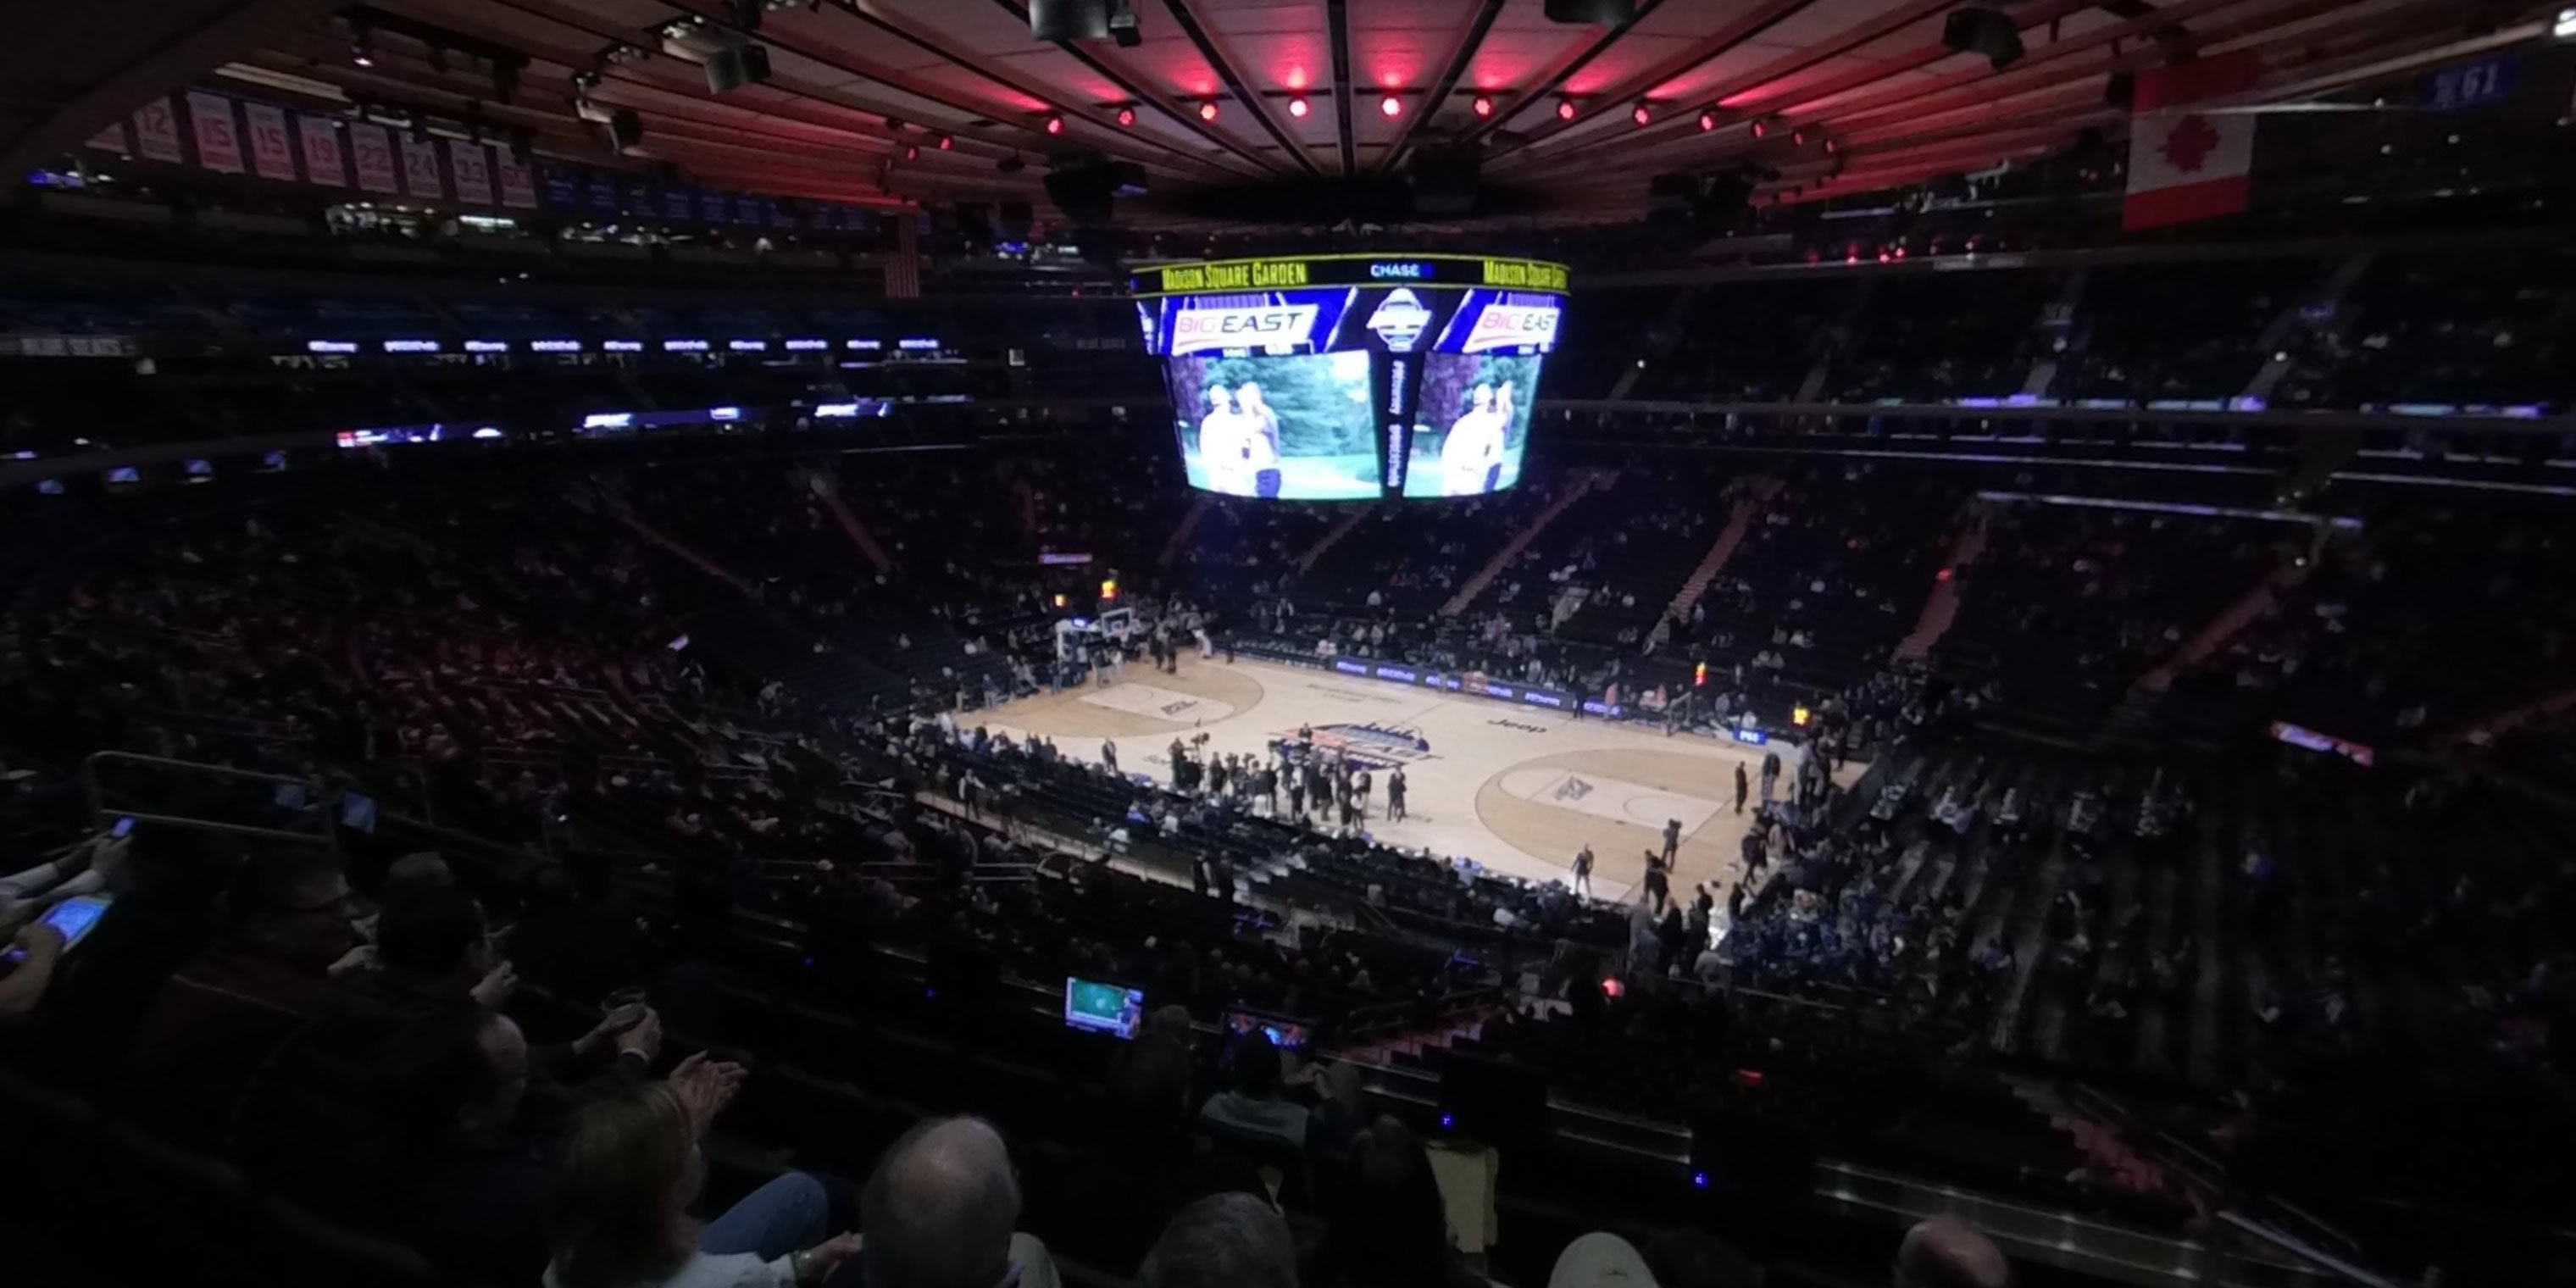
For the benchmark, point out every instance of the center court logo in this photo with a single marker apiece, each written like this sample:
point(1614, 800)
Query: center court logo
point(1572, 789)
point(1369, 746)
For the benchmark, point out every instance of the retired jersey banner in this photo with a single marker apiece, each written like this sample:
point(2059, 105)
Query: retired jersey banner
point(272, 153)
point(321, 152)
point(218, 140)
point(156, 131)
point(371, 154)
point(420, 169)
point(518, 185)
point(466, 161)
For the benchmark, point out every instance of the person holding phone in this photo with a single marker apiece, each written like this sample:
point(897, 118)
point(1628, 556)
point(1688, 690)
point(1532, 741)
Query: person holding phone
point(37, 947)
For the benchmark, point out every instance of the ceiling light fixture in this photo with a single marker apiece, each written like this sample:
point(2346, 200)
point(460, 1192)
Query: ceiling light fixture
point(1761, 129)
point(1207, 109)
point(1390, 107)
point(1483, 106)
point(1798, 138)
point(912, 152)
point(947, 144)
point(1054, 124)
point(1126, 118)
point(1565, 109)
point(1642, 114)
point(1297, 107)
point(1707, 122)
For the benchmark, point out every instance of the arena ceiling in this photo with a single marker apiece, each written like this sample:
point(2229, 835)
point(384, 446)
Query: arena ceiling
point(895, 101)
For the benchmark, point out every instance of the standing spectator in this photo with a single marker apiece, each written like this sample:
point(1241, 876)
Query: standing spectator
point(1395, 794)
point(1583, 872)
point(1743, 787)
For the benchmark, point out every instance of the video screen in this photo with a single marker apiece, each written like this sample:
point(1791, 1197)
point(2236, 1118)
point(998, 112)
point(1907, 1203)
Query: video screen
point(1294, 428)
point(1474, 423)
point(1103, 1008)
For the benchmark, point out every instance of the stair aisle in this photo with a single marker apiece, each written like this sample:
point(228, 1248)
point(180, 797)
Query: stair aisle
point(1583, 485)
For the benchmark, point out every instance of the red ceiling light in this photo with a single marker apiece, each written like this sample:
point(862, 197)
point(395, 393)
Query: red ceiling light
point(947, 143)
point(1207, 109)
point(1126, 118)
point(1297, 107)
point(1054, 124)
point(912, 152)
point(1832, 147)
point(1482, 106)
point(1798, 138)
point(1707, 122)
point(1390, 107)
point(1565, 109)
point(1642, 114)
point(1761, 129)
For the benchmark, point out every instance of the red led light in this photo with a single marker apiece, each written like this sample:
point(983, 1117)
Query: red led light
point(1391, 106)
point(1482, 106)
point(947, 144)
point(1798, 138)
point(1055, 125)
point(912, 152)
point(1760, 129)
point(1297, 107)
point(1707, 122)
point(1642, 115)
point(1126, 117)
point(1565, 109)
point(1207, 110)
point(1832, 147)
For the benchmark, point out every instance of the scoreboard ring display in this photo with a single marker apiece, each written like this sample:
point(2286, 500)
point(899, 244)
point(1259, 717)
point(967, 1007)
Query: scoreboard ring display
point(1348, 377)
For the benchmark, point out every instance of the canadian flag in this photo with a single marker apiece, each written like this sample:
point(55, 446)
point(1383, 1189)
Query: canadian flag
point(2186, 164)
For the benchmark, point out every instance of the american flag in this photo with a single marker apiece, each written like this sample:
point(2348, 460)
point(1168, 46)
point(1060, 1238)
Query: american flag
point(903, 268)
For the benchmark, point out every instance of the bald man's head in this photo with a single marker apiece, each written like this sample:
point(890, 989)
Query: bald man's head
point(1946, 1252)
point(940, 1209)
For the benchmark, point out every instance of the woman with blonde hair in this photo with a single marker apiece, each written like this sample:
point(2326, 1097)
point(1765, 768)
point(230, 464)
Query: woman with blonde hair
point(620, 1215)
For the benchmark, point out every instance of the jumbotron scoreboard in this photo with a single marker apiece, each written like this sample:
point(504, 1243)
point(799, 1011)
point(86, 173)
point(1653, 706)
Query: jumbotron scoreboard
point(1329, 377)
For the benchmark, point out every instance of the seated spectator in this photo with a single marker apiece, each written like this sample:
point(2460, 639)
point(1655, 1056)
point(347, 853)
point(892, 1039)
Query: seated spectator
point(1254, 1106)
point(573, 939)
point(1110, 1201)
point(1389, 1229)
point(1946, 1252)
point(620, 1214)
point(227, 1011)
point(413, 874)
point(431, 950)
point(481, 1132)
point(1674, 1259)
point(942, 1210)
point(168, 892)
point(1223, 1241)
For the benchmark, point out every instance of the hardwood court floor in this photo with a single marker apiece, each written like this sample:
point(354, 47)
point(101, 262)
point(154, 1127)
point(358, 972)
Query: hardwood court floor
point(1518, 789)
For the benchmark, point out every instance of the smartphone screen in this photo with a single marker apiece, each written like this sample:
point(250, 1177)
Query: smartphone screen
point(74, 918)
point(124, 827)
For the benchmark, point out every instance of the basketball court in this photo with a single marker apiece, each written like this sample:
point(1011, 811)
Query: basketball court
point(1518, 789)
